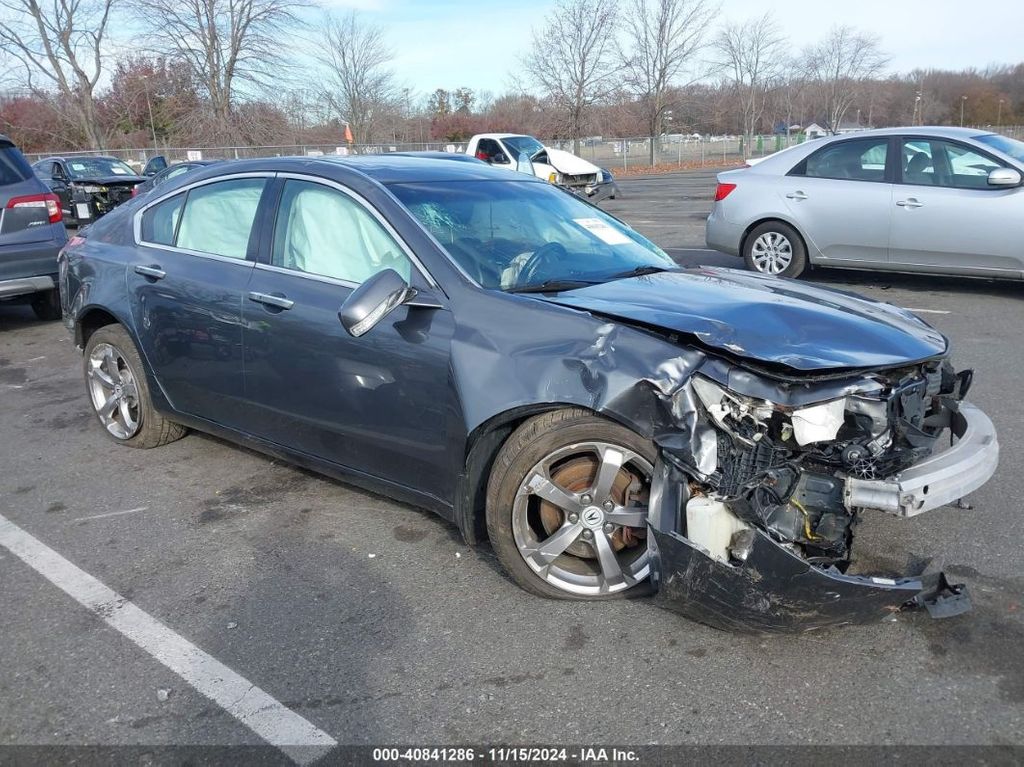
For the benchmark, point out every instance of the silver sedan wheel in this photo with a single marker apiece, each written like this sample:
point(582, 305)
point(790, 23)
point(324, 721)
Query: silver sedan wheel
point(579, 518)
point(113, 391)
point(772, 253)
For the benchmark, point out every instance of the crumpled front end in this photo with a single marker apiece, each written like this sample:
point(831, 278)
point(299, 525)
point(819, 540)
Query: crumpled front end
point(757, 494)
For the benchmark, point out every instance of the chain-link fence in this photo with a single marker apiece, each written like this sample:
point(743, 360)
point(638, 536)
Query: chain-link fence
point(615, 154)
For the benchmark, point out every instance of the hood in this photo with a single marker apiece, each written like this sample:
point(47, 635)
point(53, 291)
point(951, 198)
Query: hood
point(108, 180)
point(568, 163)
point(766, 319)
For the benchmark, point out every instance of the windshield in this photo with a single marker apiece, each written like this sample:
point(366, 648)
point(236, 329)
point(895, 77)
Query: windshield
point(1008, 146)
point(92, 167)
point(520, 144)
point(511, 235)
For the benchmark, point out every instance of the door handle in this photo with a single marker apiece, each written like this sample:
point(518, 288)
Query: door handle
point(909, 203)
point(153, 272)
point(278, 302)
point(796, 196)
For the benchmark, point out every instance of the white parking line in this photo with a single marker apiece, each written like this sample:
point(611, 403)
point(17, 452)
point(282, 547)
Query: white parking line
point(112, 514)
point(271, 720)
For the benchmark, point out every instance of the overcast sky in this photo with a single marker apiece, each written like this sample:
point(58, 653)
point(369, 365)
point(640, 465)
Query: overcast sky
point(450, 43)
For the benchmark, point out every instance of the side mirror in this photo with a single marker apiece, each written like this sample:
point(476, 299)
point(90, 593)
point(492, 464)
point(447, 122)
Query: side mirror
point(525, 164)
point(1004, 177)
point(373, 301)
point(154, 166)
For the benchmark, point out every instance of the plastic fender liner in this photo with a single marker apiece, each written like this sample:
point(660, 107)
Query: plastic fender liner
point(777, 591)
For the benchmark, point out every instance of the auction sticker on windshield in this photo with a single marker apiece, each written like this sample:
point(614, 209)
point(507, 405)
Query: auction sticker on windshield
point(603, 231)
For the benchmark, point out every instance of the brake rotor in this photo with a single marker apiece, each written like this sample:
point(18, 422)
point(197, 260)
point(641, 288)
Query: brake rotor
point(577, 475)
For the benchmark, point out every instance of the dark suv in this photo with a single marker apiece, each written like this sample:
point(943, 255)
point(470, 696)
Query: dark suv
point(31, 234)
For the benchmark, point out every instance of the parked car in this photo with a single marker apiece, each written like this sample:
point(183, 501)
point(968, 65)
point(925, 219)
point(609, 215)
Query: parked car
point(937, 200)
point(166, 173)
point(31, 233)
point(88, 186)
point(527, 154)
point(530, 368)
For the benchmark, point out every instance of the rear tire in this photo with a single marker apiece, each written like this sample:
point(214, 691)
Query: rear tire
point(46, 305)
point(115, 379)
point(567, 507)
point(775, 248)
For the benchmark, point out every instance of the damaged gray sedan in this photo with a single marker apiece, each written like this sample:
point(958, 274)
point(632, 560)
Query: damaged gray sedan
point(536, 372)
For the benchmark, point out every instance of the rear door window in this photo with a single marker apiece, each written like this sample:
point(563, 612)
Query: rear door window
point(218, 217)
point(855, 160)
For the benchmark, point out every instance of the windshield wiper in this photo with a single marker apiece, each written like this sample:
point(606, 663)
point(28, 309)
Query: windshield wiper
point(640, 271)
point(550, 286)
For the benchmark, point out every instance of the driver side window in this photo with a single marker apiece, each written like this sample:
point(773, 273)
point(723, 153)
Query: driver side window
point(324, 232)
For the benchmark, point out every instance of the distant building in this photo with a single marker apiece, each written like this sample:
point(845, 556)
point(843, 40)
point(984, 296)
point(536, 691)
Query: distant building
point(814, 130)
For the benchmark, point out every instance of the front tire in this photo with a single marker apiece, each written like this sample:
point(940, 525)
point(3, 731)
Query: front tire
point(775, 248)
point(116, 382)
point(567, 507)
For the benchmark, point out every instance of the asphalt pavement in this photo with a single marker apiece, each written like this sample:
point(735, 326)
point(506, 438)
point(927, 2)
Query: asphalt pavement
point(375, 624)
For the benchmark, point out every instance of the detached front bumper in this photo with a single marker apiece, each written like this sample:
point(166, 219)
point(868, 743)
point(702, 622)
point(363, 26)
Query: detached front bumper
point(775, 590)
point(938, 480)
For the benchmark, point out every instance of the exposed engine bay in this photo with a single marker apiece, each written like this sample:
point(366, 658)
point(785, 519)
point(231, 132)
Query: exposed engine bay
point(774, 492)
point(785, 469)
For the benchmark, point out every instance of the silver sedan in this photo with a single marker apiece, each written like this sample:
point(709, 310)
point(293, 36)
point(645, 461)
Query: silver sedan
point(938, 200)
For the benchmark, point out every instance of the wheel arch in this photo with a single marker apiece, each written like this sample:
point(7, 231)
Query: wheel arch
point(91, 319)
point(482, 446)
point(781, 219)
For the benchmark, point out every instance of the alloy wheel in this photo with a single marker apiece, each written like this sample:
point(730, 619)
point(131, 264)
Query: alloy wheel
point(113, 391)
point(579, 518)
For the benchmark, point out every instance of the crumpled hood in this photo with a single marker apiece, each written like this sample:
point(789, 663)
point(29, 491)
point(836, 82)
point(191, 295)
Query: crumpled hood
point(109, 180)
point(766, 319)
point(567, 162)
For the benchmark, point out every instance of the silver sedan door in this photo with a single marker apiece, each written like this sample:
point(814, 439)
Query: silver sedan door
point(946, 216)
point(840, 198)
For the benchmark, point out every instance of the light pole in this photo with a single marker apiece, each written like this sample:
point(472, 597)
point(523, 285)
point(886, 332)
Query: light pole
point(999, 114)
point(917, 107)
point(149, 106)
point(962, 100)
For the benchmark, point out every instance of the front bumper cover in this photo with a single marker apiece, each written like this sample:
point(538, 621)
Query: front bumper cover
point(776, 590)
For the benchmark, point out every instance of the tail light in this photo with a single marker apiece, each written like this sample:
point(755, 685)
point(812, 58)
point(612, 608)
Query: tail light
point(723, 191)
point(49, 201)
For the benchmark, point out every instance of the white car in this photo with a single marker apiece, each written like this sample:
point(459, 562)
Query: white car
point(518, 152)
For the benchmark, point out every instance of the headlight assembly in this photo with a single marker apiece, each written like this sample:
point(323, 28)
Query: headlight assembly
point(748, 418)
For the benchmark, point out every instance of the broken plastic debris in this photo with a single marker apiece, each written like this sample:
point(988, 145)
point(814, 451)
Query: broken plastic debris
point(458, 555)
point(232, 625)
point(371, 556)
point(162, 695)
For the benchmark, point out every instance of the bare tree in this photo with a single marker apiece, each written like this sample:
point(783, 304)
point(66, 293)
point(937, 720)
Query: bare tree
point(60, 46)
point(226, 43)
point(840, 66)
point(573, 58)
point(751, 52)
point(664, 37)
point(359, 83)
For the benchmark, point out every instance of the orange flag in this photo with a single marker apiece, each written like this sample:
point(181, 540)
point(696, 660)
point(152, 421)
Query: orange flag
point(348, 134)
